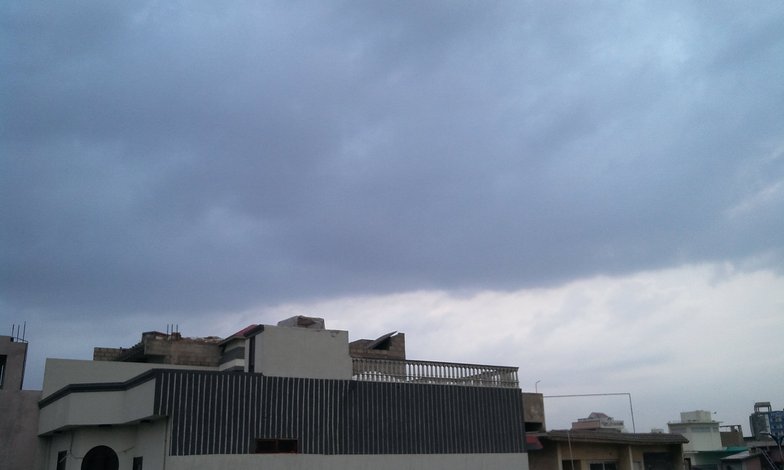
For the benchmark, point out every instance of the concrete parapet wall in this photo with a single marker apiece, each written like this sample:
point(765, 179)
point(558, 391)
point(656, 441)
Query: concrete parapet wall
point(533, 408)
point(100, 408)
point(61, 372)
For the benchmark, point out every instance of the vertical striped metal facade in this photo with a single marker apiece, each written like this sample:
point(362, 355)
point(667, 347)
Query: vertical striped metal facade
point(224, 413)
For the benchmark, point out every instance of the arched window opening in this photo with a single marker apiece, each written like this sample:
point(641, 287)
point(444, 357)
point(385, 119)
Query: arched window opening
point(100, 458)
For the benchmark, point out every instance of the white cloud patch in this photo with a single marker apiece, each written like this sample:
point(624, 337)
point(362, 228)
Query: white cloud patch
point(770, 195)
point(699, 336)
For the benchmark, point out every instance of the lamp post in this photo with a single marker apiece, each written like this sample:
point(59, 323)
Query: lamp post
point(778, 440)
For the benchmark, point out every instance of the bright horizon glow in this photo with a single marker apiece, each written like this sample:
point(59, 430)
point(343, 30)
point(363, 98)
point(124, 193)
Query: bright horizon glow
point(677, 339)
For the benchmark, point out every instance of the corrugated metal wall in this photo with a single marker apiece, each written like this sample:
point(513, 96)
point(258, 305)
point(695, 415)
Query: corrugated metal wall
point(223, 413)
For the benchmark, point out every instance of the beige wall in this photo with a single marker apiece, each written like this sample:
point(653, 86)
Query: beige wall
point(701, 436)
point(303, 352)
point(145, 440)
point(18, 410)
point(18, 428)
point(148, 441)
point(352, 462)
point(151, 443)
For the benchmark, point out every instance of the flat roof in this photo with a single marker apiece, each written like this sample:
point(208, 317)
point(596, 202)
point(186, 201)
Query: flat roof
point(651, 438)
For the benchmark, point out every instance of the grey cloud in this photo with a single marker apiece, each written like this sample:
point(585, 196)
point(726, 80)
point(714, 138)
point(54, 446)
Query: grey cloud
point(218, 156)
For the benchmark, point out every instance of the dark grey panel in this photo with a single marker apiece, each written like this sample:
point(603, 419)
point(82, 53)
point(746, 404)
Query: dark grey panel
point(223, 413)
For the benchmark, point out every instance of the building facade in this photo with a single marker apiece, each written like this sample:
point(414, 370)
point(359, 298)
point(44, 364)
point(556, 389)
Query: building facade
point(295, 395)
point(700, 429)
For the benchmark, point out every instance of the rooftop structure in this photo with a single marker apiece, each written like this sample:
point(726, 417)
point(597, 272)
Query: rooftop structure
point(700, 429)
point(371, 360)
point(598, 421)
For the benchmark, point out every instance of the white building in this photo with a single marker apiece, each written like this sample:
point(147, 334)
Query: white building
point(700, 429)
point(277, 397)
point(598, 421)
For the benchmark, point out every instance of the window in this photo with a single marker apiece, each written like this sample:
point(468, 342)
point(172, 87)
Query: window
point(100, 458)
point(276, 446)
point(603, 466)
point(252, 354)
point(137, 463)
point(61, 457)
point(2, 369)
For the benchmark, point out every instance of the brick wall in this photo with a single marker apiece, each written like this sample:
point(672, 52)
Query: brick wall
point(107, 354)
point(182, 351)
point(160, 348)
point(393, 348)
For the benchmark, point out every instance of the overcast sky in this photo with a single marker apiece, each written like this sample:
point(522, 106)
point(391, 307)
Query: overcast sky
point(591, 191)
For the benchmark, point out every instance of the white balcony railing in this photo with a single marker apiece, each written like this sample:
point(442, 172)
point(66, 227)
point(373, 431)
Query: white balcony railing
point(428, 372)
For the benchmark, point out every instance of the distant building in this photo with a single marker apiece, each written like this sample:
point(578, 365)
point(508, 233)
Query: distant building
point(599, 446)
point(710, 448)
point(605, 450)
point(700, 429)
point(766, 420)
point(598, 421)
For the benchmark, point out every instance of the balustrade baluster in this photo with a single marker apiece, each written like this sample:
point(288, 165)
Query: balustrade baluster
point(384, 370)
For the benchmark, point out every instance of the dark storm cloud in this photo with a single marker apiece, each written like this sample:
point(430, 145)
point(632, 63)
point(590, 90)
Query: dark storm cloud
point(168, 157)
